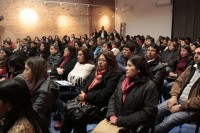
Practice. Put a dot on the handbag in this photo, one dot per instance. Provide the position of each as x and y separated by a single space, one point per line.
106 127
78 111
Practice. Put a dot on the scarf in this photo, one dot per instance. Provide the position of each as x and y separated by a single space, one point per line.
126 86
64 61
98 76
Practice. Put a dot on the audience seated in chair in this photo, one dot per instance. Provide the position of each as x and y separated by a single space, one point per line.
66 64
96 90
156 67
181 63
184 104
134 102
43 90
122 57
54 58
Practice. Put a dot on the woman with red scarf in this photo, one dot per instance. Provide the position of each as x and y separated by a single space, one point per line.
97 90
66 64
134 102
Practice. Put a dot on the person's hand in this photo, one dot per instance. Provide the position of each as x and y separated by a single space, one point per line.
175 109
2 79
82 96
113 120
172 101
171 74
60 71
165 64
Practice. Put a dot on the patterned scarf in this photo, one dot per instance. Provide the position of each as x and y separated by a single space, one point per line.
126 86
98 76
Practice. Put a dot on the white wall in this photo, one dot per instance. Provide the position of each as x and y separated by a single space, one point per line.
142 17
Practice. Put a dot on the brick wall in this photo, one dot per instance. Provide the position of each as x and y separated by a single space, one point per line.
55 19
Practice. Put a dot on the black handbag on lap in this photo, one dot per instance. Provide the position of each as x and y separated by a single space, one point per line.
78 112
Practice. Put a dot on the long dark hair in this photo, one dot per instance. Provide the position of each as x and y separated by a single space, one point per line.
111 59
72 51
141 64
38 68
16 93
87 55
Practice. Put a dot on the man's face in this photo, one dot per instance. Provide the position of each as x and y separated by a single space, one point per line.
151 53
127 52
197 56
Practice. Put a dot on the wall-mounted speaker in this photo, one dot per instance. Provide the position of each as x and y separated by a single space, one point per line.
1 18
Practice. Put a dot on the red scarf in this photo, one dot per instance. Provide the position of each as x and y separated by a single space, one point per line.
98 77
64 61
126 86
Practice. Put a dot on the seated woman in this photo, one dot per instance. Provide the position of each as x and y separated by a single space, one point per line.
181 63
4 54
44 50
169 56
16 63
134 102
66 64
43 90
97 90
16 112
82 68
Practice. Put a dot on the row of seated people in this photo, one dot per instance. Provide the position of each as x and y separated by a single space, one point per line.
127 52
133 103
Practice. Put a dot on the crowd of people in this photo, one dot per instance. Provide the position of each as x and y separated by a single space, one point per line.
127 75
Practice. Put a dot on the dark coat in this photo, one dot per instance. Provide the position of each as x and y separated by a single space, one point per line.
53 61
67 68
139 107
171 61
158 71
101 93
105 34
43 99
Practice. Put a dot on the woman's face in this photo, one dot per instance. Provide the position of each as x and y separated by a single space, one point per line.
131 70
84 46
27 73
183 43
102 62
171 47
184 52
2 55
66 53
76 45
192 47
5 107
42 47
81 57
53 51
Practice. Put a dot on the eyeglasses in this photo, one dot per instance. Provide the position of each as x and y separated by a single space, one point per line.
102 60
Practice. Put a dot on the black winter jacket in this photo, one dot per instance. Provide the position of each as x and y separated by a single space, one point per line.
139 107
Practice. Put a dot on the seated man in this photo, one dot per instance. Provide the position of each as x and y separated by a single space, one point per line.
184 104
122 57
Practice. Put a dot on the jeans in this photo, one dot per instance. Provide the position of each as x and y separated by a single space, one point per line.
172 120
